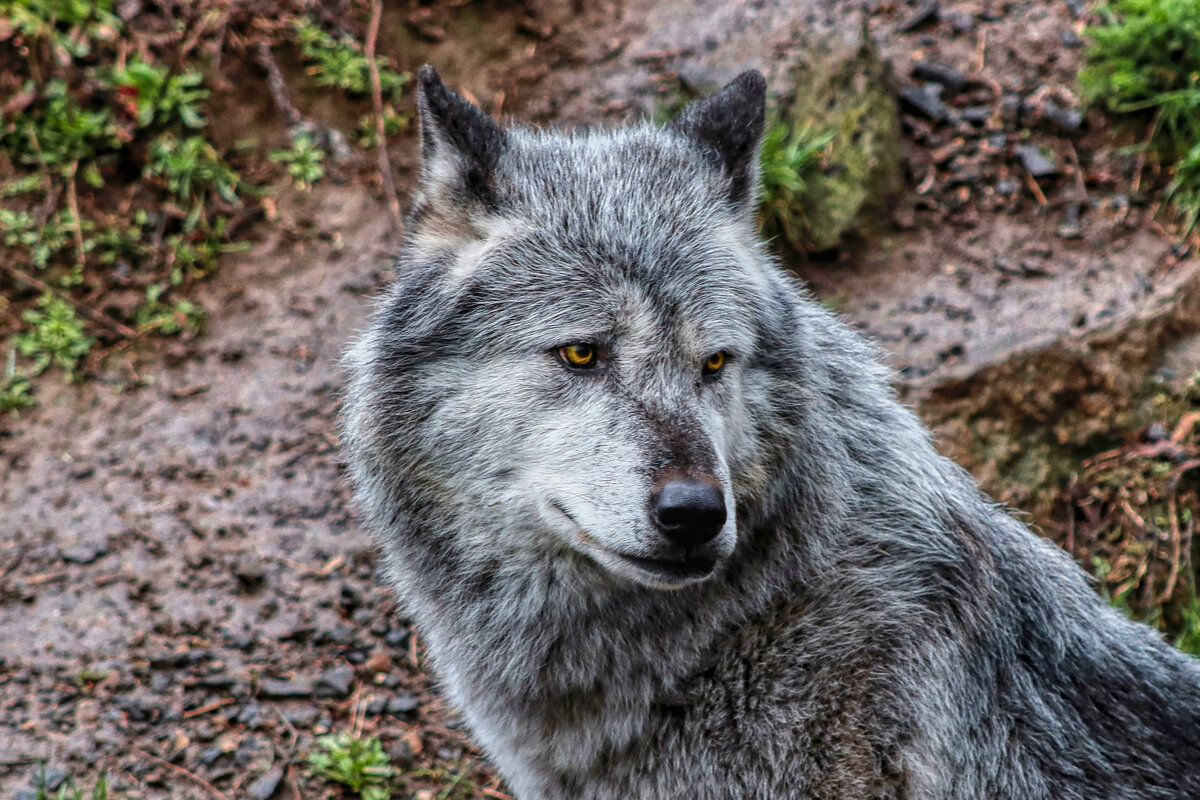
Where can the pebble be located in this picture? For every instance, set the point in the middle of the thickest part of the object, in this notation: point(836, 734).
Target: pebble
point(1157, 432)
point(273, 689)
point(926, 14)
point(941, 74)
point(302, 717)
point(402, 704)
point(924, 102)
point(336, 682)
point(1066, 120)
point(266, 785)
point(83, 553)
point(959, 21)
point(1035, 162)
point(397, 638)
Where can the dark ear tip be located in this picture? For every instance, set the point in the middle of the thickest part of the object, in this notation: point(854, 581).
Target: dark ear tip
point(428, 80)
point(752, 83)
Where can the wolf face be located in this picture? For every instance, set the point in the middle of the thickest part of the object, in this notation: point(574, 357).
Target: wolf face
point(562, 366)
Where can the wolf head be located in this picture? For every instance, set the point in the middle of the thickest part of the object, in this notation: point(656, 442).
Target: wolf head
point(566, 365)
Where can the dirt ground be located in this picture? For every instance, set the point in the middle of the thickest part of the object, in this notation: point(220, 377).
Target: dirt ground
point(186, 597)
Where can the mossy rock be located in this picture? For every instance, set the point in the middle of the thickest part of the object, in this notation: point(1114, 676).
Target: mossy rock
point(851, 101)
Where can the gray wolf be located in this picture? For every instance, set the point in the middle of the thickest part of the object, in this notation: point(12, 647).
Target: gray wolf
point(667, 532)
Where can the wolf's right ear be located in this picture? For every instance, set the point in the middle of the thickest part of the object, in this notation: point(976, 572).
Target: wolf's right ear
point(460, 144)
point(729, 126)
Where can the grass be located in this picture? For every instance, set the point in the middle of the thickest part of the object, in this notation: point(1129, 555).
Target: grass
point(1143, 63)
point(357, 763)
point(791, 165)
point(70, 791)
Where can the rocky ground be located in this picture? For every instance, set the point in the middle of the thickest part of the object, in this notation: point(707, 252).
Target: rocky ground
point(186, 599)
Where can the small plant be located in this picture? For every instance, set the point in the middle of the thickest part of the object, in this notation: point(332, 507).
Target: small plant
point(179, 316)
point(191, 167)
point(367, 135)
point(358, 764)
point(58, 131)
point(303, 160)
point(55, 336)
point(151, 94)
point(14, 389)
point(1144, 63)
point(791, 163)
point(340, 62)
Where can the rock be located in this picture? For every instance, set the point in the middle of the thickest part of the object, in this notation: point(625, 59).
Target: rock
point(1157, 432)
point(941, 74)
point(377, 706)
point(273, 689)
point(83, 553)
point(170, 660)
point(925, 14)
point(401, 753)
point(50, 778)
point(1064, 120)
point(1070, 38)
point(402, 704)
point(397, 638)
point(1035, 162)
point(924, 102)
point(335, 682)
point(251, 575)
point(959, 21)
point(265, 786)
point(977, 115)
point(302, 717)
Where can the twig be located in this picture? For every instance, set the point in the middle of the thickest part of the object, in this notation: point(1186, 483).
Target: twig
point(1082, 186)
point(93, 315)
point(181, 771)
point(385, 168)
point(1141, 159)
point(980, 52)
point(204, 709)
point(276, 84)
point(1033, 187)
point(1176, 549)
point(76, 225)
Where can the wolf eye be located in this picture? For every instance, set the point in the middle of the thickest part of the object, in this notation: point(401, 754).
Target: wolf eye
point(580, 356)
point(714, 363)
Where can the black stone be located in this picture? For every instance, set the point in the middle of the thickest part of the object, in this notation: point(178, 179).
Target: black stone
point(925, 14)
point(336, 682)
point(942, 74)
point(923, 102)
point(265, 786)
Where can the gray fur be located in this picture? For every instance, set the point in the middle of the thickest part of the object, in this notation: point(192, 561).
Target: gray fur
point(874, 628)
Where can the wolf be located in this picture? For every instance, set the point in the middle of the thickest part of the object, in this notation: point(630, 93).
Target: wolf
point(667, 531)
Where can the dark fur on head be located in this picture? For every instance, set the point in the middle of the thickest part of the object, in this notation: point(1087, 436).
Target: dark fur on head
point(873, 627)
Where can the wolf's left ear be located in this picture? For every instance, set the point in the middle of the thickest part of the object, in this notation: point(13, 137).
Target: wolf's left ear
point(729, 125)
point(460, 144)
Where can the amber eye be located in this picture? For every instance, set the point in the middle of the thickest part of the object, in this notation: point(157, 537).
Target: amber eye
point(582, 356)
point(714, 363)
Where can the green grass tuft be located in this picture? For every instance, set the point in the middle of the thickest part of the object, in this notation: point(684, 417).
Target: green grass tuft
point(791, 164)
point(1144, 63)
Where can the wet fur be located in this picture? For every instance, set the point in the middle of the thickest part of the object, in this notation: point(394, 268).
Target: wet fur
point(881, 630)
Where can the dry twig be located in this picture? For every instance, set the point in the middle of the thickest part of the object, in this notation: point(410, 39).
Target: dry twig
point(178, 770)
point(385, 169)
point(93, 315)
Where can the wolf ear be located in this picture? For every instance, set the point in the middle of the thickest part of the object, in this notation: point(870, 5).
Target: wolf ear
point(460, 144)
point(729, 125)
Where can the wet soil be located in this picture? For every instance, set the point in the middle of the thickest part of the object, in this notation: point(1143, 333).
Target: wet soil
point(186, 598)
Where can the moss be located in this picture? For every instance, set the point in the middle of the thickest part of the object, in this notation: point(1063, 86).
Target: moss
point(851, 103)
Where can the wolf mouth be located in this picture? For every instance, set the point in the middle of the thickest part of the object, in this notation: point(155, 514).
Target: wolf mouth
point(682, 569)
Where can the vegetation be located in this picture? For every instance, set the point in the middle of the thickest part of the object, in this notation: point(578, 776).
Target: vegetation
point(791, 165)
point(69, 791)
point(111, 177)
point(1144, 63)
point(357, 763)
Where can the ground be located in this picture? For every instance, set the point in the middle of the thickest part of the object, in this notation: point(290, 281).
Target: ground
point(186, 596)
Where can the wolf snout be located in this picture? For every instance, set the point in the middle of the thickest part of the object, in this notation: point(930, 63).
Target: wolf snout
point(689, 512)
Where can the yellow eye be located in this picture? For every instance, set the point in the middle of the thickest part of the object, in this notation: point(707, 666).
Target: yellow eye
point(578, 355)
point(714, 363)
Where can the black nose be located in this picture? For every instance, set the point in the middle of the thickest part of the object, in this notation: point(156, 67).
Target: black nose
point(689, 513)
